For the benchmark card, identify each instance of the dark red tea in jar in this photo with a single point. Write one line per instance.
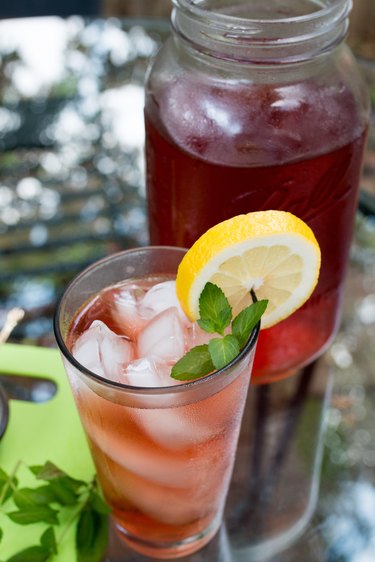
(249, 107)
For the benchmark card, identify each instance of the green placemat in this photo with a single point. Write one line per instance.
(37, 433)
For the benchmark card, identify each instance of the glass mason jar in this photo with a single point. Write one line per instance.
(253, 106)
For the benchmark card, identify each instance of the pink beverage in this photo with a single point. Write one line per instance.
(163, 450)
(233, 129)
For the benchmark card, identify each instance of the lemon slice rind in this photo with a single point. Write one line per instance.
(285, 270)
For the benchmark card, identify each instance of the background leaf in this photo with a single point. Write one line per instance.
(98, 504)
(50, 472)
(47, 471)
(5, 480)
(48, 540)
(31, 554)
(91, 535)
(34, 514)
(65, 493)
(85, 528)
(26, 497)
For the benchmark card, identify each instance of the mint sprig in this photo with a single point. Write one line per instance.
(75, 501)
(215, 317)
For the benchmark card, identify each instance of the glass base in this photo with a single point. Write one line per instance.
(169, 550)
(271, 547)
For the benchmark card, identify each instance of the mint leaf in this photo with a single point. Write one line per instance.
(6, 484)
(246, 321)
(91, 535)
(98, 504)
(208, 326)
(34, 506)
(50, 472)
(196, 363)
(214, 310)
(26, 497)
(85, 529)
(34, 514)
(31, 554)
(48, 540)
(223, 350)
(64, 488)
(215, 316)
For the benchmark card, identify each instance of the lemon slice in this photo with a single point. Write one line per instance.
(272, 252)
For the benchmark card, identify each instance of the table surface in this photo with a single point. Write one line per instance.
(72, 190)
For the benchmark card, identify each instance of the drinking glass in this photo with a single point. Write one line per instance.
(164, 456)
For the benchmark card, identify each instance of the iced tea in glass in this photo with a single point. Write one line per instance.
(163, 450)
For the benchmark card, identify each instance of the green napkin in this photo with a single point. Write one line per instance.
(37, 433)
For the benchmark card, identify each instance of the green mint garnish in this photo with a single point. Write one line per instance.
(214, 310)
(195, 363)
(59, 497)
(215, 316)
(246, 320)
(223, 350)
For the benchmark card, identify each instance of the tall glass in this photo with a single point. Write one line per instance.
(255, 105)
(164, 456)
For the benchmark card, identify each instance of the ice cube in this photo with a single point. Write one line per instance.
(102, 351)
(171, 428)
(86, 351)
(163, 337)
(159, 298)
(132, 454)
(148, 372)
(124, 306)
(167, 503)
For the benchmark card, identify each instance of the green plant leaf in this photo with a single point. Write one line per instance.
(64, 488)
(214, 309)
(246, 321)
(64, 492)
(50, 472)
(43, 495)
(85, 528)
(196, 363)
(48, 540)
(47, 471)
(6, 482)
(98, 504)
(91, 535)
(31, 554)
(216, 315)
(34, 514)
(223, 350)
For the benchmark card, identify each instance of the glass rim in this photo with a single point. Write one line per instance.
(130, 389)
(322, 12)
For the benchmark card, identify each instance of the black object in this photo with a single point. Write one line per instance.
(4, 411)
(32, 8)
